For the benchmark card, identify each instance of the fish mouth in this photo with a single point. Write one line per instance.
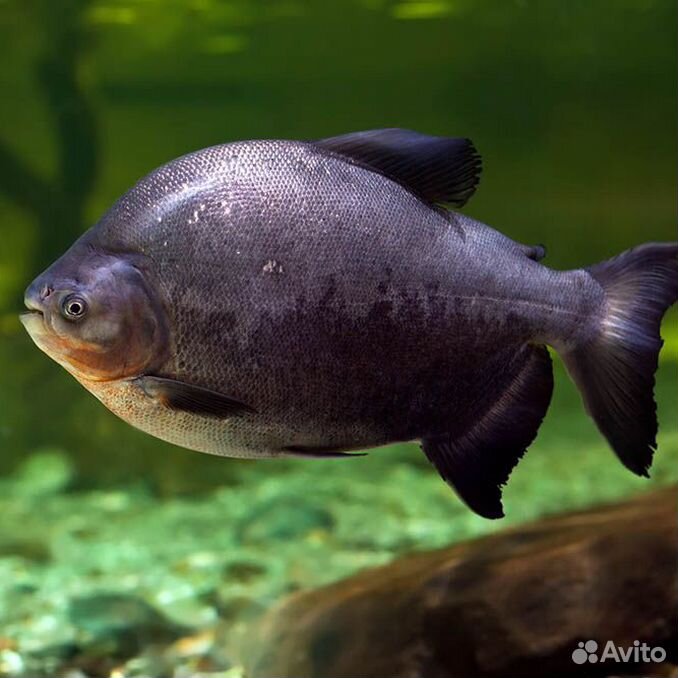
(36, 326)
(33, 313)
(33, 320)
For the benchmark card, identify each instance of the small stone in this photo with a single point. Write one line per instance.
(11, 663)
(243, 571)
(282, 520)
(196, 645)
(46, 471)
(127, 622)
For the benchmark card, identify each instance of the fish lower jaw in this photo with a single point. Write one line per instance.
(29, 320)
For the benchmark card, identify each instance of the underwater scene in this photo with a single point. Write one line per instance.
(125, 555)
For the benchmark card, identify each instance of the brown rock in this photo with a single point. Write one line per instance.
(514, 604)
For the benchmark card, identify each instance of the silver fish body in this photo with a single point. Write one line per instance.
(338, 310)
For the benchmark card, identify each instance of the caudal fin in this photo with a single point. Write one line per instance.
(615, 369)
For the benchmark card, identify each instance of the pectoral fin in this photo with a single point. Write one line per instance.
(180, 396)
(477, 461)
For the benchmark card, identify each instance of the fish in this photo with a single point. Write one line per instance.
(274, 298)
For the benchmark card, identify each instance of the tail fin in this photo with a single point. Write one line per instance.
(615, 370)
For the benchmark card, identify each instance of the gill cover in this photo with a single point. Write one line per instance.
(117, 327)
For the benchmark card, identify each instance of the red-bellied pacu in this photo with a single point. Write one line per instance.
(269, 298)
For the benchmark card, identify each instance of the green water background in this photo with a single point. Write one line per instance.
(572, 105)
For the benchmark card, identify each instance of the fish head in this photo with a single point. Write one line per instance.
(98, 315)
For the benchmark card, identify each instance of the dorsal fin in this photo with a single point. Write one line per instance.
(440, 170)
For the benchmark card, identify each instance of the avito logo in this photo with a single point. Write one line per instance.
(637, 653)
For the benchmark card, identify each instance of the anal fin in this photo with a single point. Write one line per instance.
(478, 461)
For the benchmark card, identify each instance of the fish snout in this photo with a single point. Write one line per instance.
(34, 319)
(36, 295)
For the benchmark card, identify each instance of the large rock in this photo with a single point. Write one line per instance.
(514, 604)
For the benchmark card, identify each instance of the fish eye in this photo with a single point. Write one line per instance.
(74, 307)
